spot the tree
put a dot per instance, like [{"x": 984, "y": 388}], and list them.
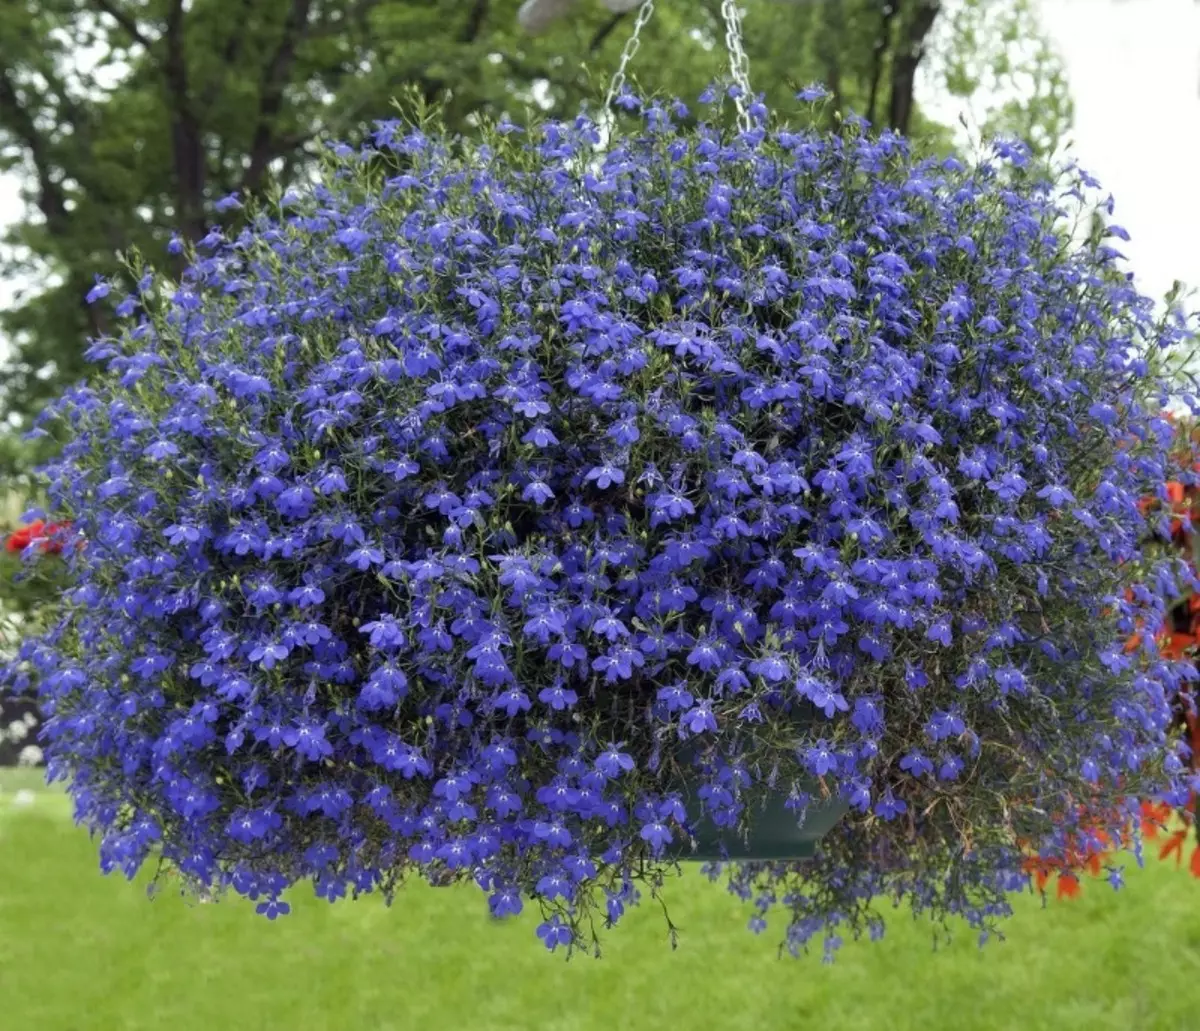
[
  {"x": 181, "y": 104},
  {"x": 990, "y": 49}
]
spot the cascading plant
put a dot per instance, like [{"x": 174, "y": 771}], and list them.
[{"x": 460, "y": 514}]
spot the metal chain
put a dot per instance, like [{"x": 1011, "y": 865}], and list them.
[
  {"x": 739, "y": 63},
  {"x": 631, "y": 48}
]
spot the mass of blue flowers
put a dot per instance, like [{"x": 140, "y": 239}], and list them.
[{"x": 453, "y": 514}]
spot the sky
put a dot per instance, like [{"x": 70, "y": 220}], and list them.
[
  {"x": 1133, "y": 67},
  {"x": 1134, "y": 71}
]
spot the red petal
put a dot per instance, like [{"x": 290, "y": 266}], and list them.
[
  {"x": 1068, "y": 886},
  {"x": 1174, "y": 845}
]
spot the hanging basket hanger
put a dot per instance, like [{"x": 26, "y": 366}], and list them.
[{"x": 739, "y": 62}]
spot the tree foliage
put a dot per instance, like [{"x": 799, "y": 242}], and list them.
[{"x": 985, "y": 49}]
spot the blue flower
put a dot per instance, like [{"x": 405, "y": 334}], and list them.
[
  {"x": 1056, "y": 495},
  {"x": 613, "y": 762},
  {"x": 308, "y": 738},
  {"x": 939, "y": 631},
  {"x": 507, "y": 902},
  {"x": 943, "y": 725},
  {"x": 657, "y": 834},
  {"x": 605, "y": 476},
  {"x": 269, "y": 653},
  {"x": 540, "y": 436},
  {"x": 363, "y": 558},
  {"x": 554, "y": 933},
  {"x": 675, "y": 697},
  {"x": 888, "y": 807},
  {"x": 916, "y": 764},
  {"x": 100, "y": 290},
  {"x": 537, "y": 492},
  {"x": 812, "y": 93},
  {"x": 272, "y": 908},
  {"x": 700, "y": 719},
  {"x": 820, "y": 759}
]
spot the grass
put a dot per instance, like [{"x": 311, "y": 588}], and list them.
[{"x": 83, "y": 952}]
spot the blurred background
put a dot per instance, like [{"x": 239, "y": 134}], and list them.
[{"x": 124, "y": 122}]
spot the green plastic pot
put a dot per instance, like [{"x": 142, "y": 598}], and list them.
[{"x": 769, "y": 831}]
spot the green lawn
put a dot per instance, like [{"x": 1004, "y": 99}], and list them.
[{"x": 79, "y": 951}]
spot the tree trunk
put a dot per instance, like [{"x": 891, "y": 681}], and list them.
[{"x": 909, "y": 52}]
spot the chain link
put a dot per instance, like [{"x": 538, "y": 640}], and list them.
[
  {"x": 739, "y": 63},
  {"x": 631, "y": 47}
]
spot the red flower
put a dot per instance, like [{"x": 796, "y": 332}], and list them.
[
  {"x": 1154, "y": 818},
  {"x": 1068, "y": 886},
  {"x": 1178, "y": 638},
  {"x": 38, "y": 530},
  {"x": 1173, "y": 847}
]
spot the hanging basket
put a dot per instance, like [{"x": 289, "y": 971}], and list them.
[
  {"x": 770, "y": 829},
  {"x": 437, "y": 517}
]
